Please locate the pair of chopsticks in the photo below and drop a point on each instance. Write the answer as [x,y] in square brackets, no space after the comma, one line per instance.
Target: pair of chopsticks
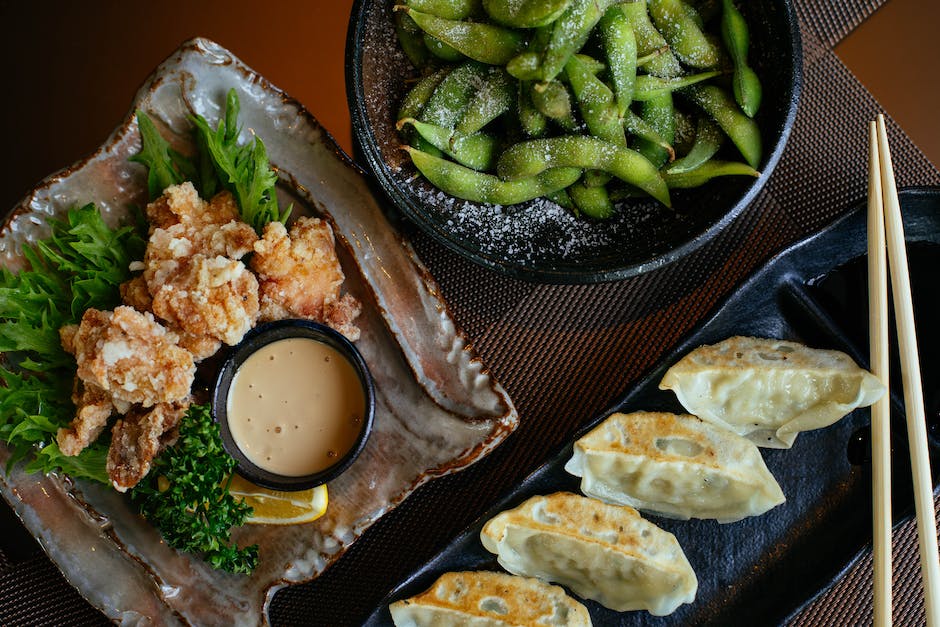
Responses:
[885,227]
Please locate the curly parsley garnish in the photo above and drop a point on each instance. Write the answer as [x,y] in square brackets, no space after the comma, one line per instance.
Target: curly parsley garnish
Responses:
[186,495]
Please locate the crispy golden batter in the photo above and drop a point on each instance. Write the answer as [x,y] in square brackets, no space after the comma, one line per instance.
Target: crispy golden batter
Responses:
[300,276]
[137,439]
[136,294]
[211,228]
[192,270]
[130,356]
[94,408]
[205,296]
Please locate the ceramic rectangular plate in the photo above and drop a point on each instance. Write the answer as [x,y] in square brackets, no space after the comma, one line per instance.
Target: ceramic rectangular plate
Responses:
[437,407]
[761,570]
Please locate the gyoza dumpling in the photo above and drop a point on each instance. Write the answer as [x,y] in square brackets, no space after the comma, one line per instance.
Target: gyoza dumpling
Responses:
[608,553]
[674,465]
[770,390]
[488,599]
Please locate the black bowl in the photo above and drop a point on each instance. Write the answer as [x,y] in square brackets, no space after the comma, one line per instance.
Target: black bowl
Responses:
[541,242]
[259,337]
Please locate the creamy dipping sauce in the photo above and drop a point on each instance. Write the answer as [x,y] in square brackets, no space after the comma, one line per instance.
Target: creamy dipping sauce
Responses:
[295,407]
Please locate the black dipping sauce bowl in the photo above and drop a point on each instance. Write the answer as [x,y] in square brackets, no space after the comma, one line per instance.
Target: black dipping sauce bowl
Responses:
[254,340]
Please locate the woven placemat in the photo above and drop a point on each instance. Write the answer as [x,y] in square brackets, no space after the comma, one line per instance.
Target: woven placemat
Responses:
[566,352]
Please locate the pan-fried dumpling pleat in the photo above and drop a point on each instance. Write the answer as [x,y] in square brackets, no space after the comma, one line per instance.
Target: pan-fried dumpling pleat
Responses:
[488,599]
[604,552]
[770,390]
[674,465]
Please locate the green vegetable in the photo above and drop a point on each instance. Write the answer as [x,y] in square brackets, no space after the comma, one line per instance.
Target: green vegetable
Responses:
[480,41]
[620,48]
[243,170]
[675,21]
[469,184]
[742,130]
[525,13]
[194,511]
[166,166]
[80,265]
[475,150]
[530,158]
[746,85]
[32,408]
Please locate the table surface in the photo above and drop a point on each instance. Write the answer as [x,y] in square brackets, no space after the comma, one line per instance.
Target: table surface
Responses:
[72,70]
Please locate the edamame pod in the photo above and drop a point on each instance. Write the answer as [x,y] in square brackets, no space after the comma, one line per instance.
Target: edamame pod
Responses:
[526,66]
[450,99]
[552,100]
[569,34]
[591,201]
[648,40]
[745,84]
[742,130]
[462,182]
[475,151]
[531,120]
[486,43]
[410,39]
[414,103]
[620,48]
[706,172]
[493,98]
[562,199]
[659,113]
[591,64]
[529,158]
[441,50]
[684,36]
[708,139]
[646,59]
[595,101]
[649,86]
[525,13]
[448,9]
[685,132]
[636,125]
[415,100]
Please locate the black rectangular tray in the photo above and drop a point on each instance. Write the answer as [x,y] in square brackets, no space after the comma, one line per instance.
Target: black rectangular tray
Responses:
[762,570]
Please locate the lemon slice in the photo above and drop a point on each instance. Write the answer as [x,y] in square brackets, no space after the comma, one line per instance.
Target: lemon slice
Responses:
[273,507]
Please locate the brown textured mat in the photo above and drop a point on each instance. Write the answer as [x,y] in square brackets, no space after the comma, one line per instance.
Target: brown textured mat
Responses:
[565,352]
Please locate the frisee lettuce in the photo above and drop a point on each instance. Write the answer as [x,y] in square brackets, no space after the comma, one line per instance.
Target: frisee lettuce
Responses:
[80,265]
[243,170]
[186,495]
[222,163]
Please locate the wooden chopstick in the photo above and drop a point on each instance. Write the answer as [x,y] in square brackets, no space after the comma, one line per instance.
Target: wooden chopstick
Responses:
[910,376]
[881,410]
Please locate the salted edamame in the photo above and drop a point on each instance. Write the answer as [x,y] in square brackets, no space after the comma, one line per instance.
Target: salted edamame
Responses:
[523,108]
[469,184]
[529,158]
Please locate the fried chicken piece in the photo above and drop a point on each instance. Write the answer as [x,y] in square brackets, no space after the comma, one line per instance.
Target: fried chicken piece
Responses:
[138,438]
[130,356]
[300,276]
[341,314]
[193,225]
[136,294]
[94,408]
[192,272]
[212,297]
